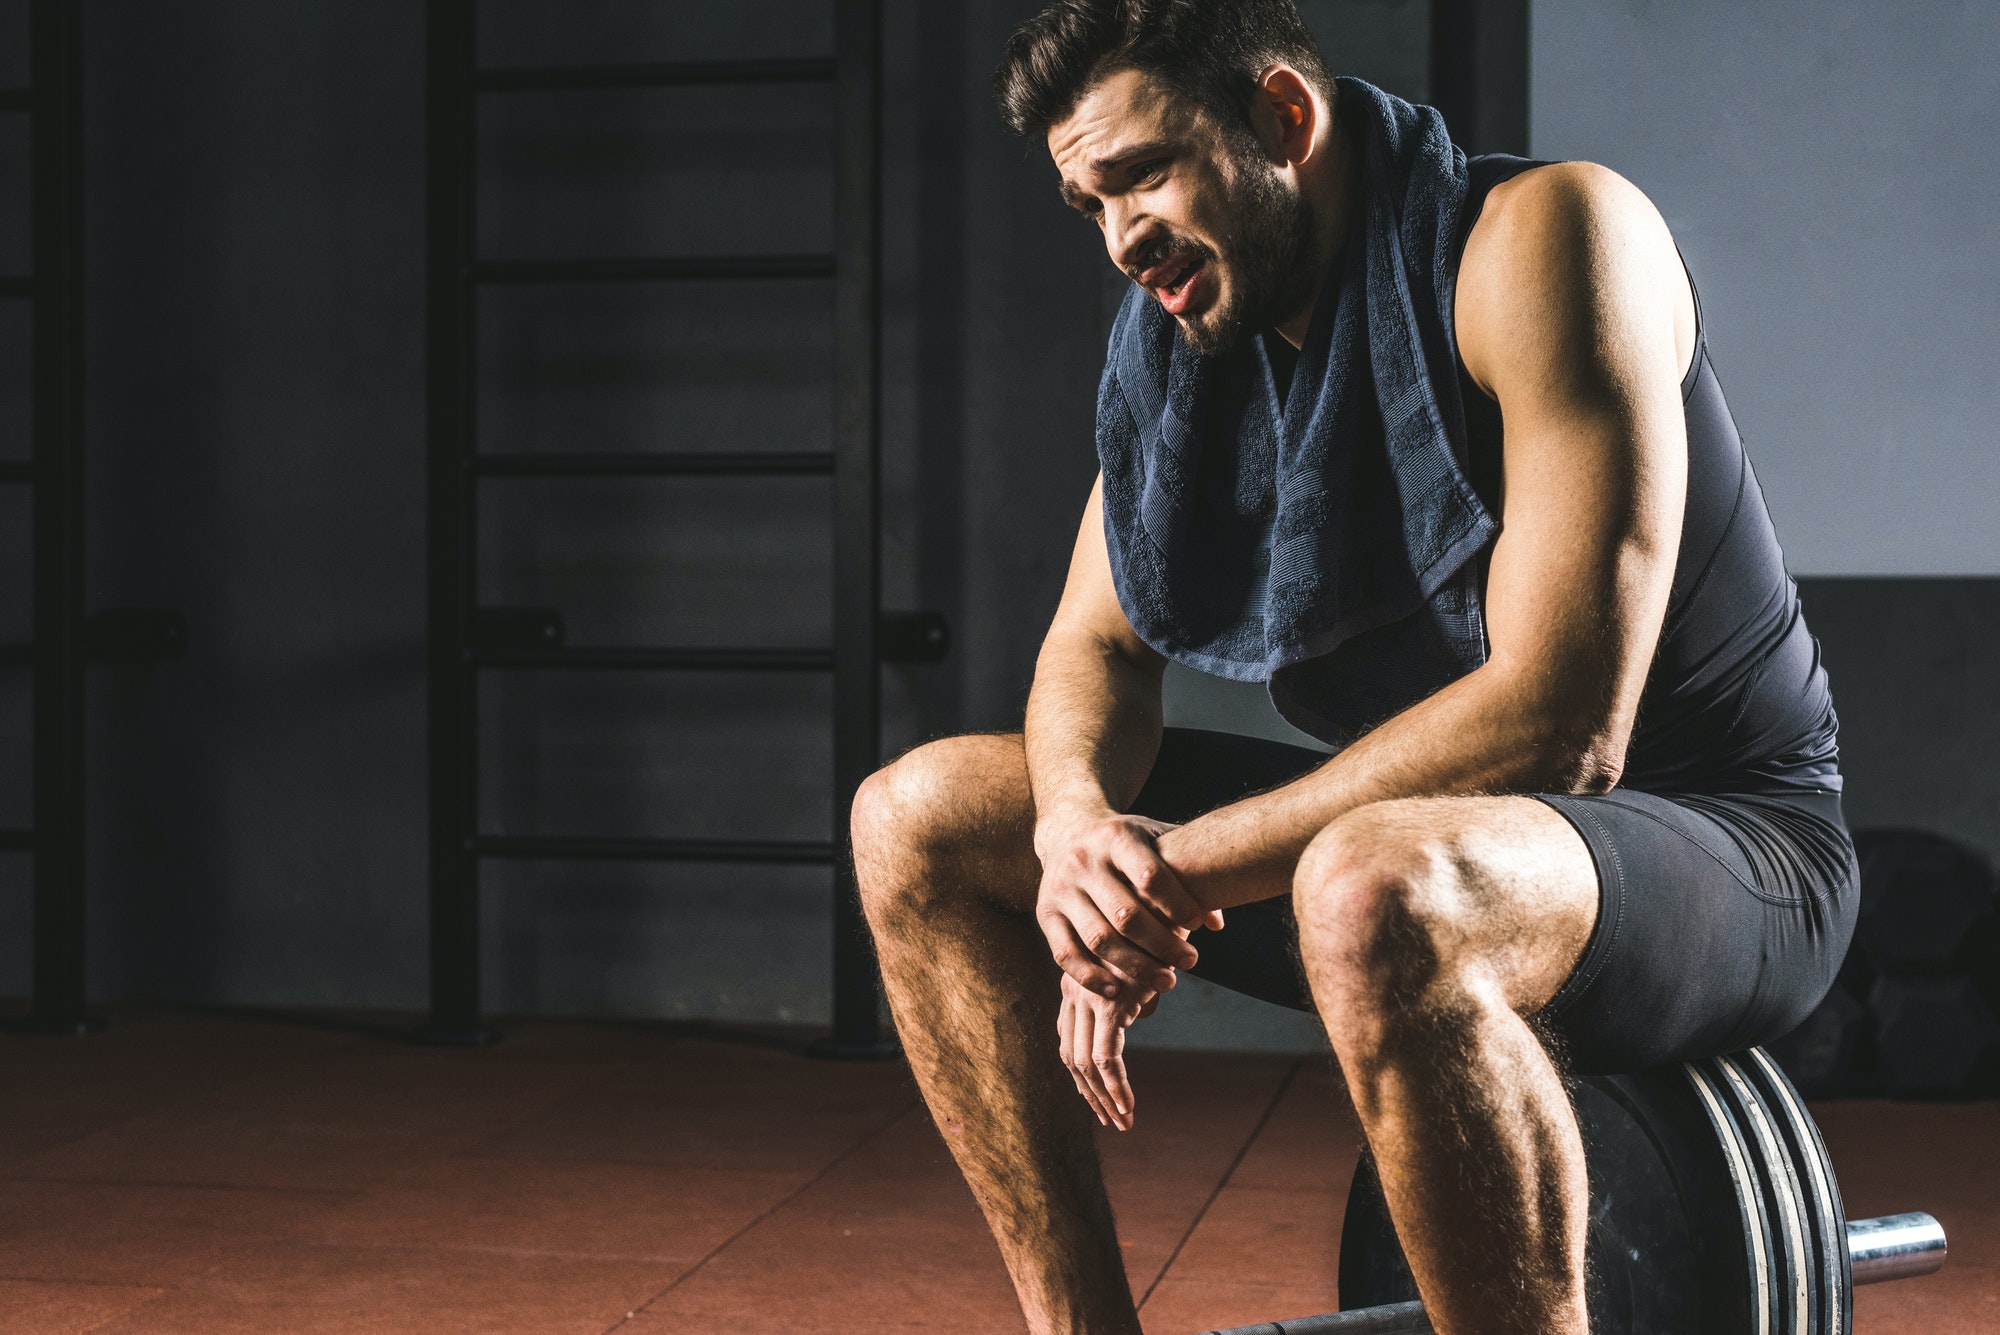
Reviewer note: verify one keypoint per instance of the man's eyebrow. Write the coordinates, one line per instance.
(1125, 155)
(1099, 166)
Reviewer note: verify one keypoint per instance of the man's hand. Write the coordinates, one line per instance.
(1091, 1033)
(1115, 914)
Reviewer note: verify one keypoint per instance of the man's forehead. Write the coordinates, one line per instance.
(1121, 112)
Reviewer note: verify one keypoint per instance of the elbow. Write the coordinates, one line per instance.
(1596, 771)
(1582, 761)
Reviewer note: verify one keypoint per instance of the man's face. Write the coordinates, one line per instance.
(1199, 216)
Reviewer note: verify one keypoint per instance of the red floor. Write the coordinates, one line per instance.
(217, 1173)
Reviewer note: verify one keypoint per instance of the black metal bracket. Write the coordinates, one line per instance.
(913, 637)
(135, 635)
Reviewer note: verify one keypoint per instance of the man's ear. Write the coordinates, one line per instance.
(1287, 113)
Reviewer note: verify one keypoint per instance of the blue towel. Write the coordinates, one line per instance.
(1331, 546)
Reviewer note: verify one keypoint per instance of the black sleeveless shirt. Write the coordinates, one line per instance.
(1736, 700)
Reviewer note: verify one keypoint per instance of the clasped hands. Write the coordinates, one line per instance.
(1117, 921)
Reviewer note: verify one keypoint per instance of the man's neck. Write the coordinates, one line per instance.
(1333, 191)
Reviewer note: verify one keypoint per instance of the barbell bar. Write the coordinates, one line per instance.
(1891, 1246)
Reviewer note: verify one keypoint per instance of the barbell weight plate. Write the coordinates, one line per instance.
(1713, 1209)
(1644, 1251)
(1825, 1213)
(1794, 1260)
(1753, 1220)
(1651, 1268)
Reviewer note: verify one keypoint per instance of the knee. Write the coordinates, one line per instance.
(1382, 904)
(898, 807)
(933, 804)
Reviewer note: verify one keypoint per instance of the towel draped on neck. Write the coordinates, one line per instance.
(1331, 546)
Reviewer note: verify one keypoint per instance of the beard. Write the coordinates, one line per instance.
(1271, 256)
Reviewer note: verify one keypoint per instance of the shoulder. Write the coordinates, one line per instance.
(1567, 242)
(1547, 213)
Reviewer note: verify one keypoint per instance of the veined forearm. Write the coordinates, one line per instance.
(1092, 732)
(1474, 736)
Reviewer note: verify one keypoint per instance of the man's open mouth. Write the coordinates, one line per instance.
(1176, 280)
(1183, 272)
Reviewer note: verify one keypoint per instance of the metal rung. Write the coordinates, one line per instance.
(13, 285)
(17, 470)
(17, 99)
(17, 840)
(650, 268)
(652, 464)
(547, 78)
(674, 660)
(589, 849)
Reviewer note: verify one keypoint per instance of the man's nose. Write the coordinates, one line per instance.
(1127, 233)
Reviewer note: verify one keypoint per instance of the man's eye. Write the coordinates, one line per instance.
(1148, 172)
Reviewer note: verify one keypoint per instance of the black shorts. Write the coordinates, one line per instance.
(1721, 922)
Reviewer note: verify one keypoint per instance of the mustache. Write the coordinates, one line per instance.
(1161, 249)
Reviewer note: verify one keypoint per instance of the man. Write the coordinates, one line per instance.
(1435, 450)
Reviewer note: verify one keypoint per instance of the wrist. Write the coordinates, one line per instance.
(1182, 848)
(1057, 825)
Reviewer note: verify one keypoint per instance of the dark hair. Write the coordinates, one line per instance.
(1210, 51)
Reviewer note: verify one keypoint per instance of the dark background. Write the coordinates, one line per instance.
(256, 459)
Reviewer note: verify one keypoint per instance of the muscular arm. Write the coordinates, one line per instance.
(1115, 915)
(1574, 313)
(1093, 726)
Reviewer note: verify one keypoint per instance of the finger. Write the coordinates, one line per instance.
(1109, 887)
(1132, 1005)
(1065, 1025)
(1156, 883)
(1077, 1041)
(1121, 964)
(1113, 949)
(1082, 1040)
(1093, 1028)
(1108, 1060)
(1075, 958)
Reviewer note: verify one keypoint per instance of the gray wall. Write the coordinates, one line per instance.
(1827, 168)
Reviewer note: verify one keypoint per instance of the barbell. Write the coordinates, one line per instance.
(1713, 1211)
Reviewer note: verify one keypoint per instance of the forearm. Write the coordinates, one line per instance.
(1092, 731)
(1475, 736)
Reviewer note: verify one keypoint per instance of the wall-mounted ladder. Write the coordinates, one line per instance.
(467, 641)
(53, 102)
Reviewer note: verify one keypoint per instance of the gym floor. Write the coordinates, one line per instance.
(218, 1172)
